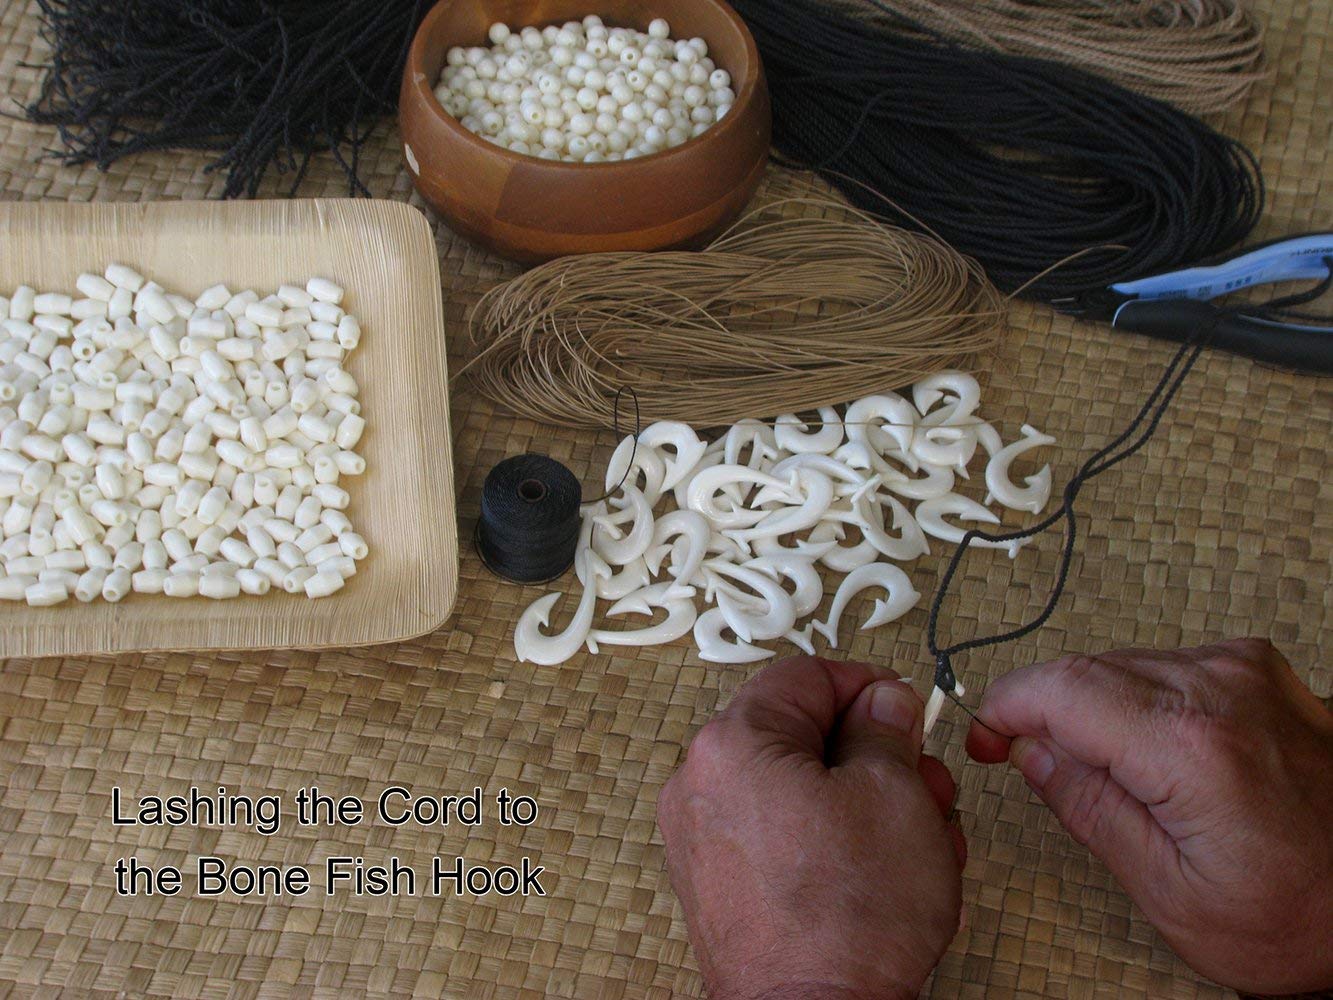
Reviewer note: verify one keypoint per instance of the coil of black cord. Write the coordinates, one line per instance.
(529, 525)
(1020, 163)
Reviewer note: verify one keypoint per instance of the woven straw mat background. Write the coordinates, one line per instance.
(1222, 528)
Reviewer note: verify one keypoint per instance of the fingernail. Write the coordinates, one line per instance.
(891, 705)
(1033, 760)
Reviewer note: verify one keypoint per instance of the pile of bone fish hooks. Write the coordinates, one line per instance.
(768, 503)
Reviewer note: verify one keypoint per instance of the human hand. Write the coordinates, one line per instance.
(1203, 780)
(807, 841)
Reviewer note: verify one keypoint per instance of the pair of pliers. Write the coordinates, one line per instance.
(1178, 305)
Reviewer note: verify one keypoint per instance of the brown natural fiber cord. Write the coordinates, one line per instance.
(1200, 55)
(782, 313)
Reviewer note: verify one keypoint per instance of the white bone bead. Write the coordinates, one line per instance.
(212, 504)
(273, 570)
(323, 584)
(236, 454)
(116, 586)
(236, 551)
(109, 513)
(81, 309)
(52, 304)
(307, 513)
(120, 305)
(154, 554)
(281, 531)
(290, 555)
(96, 555)
(206, 328)
(344, 566)
(326, 470)
(181, 584)
(201, 466)
(122, 276)
(283, 456)
(210, 540)
(90, 584)
(325, 312)
(70, 559)
(325, 290)
(155, 306)
(149, 527)
(117, 536)
(320, 351)
(188, 497)
(219, 586)
(94, 286)
(339, 380)
(263, 315)
(261, 542)
(149, 581)
(252, 581)
(177, 545)
(66, 579)
(349, 333)
(322, 553)
(41, 447)
(212, 298)
(332, 496)
(25, 565)
(21, 305)
(44, 595)
(313, 537)
(305, 394)
(15, 586)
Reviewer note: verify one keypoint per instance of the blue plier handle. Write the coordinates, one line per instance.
(1178, 305)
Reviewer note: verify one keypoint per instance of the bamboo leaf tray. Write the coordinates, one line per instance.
(383, 253)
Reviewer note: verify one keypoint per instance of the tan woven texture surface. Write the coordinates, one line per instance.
(1220, 528)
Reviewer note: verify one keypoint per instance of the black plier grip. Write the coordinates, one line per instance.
(1178, 305)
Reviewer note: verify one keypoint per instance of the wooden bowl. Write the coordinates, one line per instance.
(530, 209)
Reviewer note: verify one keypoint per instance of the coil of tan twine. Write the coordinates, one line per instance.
(1202, 56)
(781, 313)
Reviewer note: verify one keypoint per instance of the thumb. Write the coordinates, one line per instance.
(882, 726)
(1097, 812)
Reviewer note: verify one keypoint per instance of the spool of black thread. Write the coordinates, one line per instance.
(529, 525)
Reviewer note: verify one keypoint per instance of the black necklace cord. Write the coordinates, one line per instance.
(1133, 438)
(1019, 163)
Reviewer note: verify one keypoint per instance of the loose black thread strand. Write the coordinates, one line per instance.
(615, 429)
(1021, 163)
(1133, 438)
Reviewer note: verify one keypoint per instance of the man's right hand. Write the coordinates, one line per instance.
(1203, 779)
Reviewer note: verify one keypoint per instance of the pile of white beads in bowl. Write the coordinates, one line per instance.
(586, 93)
(159, 445)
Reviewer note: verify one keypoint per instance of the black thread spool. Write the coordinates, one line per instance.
(529, 525)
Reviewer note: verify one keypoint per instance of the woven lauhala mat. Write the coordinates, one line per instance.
(1221, 528)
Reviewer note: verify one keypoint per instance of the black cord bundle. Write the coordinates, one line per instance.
(1132, 439)
(259, 82)
(1018, 162)
(529, 525)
